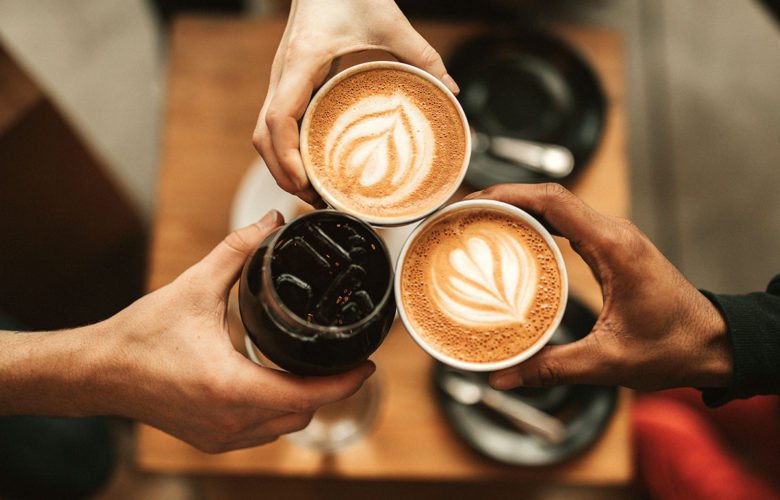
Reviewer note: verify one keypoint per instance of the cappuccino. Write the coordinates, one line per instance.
(481, 285)
(386, 142)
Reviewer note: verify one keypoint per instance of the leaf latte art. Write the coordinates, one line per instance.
(384, 143)
(489, 279)
(479, 285)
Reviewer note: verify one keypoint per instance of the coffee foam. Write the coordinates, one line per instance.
(480, 285)
(386, 143)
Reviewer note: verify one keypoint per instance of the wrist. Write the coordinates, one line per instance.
(715, 365)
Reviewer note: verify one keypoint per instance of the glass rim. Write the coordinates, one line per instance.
(342, 331)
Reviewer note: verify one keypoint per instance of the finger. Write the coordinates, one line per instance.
(285, 110)
(576, 363)
(559, 209)
(245, 442)
(261, 138)
(410, 47)
(285, 424)
(311, 197)
(286, 392)
(223, 264)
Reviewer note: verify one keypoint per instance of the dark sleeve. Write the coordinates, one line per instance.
(753, 322)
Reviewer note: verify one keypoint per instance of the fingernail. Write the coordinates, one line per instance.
(270, 218)
(450, 83)
(507, 380)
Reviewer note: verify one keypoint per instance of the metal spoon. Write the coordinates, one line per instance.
(524, 416)
(549, 159)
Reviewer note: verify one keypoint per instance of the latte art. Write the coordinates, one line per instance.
(480, 285)
(385, 144)
(491, 280)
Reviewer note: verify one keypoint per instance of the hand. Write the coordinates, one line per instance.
(318, 33)
(170, 362)
(655, 329)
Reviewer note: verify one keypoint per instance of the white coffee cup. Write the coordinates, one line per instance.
(515, 213)
(333, 201)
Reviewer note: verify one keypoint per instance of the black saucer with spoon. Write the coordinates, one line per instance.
(572, 416)
(536, 108)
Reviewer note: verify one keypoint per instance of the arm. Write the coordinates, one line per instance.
(655, 330)
(753, 323)
(167, 360)
(318, 33)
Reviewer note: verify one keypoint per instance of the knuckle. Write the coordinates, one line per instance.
(273, 117)
(430, 56)
(304, 404)
(210, 448)
(556, 192)
(229, 426)
(302, 421)
(237, 242)
(626, 239)
(301, 45)
(259, 138)
(218, 390)
(548, 374)
(497, 191)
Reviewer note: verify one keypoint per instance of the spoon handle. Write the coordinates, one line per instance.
(550, 159)
(525, 417)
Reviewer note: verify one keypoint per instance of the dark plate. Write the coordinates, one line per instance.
(529, 86)
(584, 409)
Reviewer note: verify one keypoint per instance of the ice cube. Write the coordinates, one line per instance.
(327, 245)
(294, 292)
(297, 247)
(338, 294)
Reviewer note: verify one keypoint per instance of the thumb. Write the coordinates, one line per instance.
(575, 363)
(411, 48)
(223, 264)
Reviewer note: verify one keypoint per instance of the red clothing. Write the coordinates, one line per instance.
(687, 451)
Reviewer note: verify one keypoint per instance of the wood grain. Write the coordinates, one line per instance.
(218, 79)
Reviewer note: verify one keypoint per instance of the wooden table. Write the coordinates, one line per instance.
(218, 77)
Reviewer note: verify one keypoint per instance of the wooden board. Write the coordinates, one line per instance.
(218, 79)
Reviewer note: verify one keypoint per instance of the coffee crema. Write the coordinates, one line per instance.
(480, 285)
(385, 143)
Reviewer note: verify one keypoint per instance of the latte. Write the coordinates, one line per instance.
(481, 285)
(385, 142)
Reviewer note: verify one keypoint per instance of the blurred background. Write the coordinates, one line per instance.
(702, 101)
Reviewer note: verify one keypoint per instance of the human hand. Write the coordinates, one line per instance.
(655, 330)
(318, 33)
(170, 362)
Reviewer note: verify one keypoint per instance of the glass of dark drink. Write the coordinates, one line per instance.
(316, 298)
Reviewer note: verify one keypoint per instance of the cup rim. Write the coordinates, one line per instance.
(494, 365)
(304, 141)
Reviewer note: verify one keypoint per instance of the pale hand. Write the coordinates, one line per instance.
(167, 360)
(318, 33)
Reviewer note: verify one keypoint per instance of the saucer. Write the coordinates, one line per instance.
(529, 86)
(584, 409)
(258, 193)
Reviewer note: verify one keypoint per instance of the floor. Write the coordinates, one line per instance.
(704, 134)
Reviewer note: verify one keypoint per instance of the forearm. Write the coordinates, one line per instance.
(52, 373)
